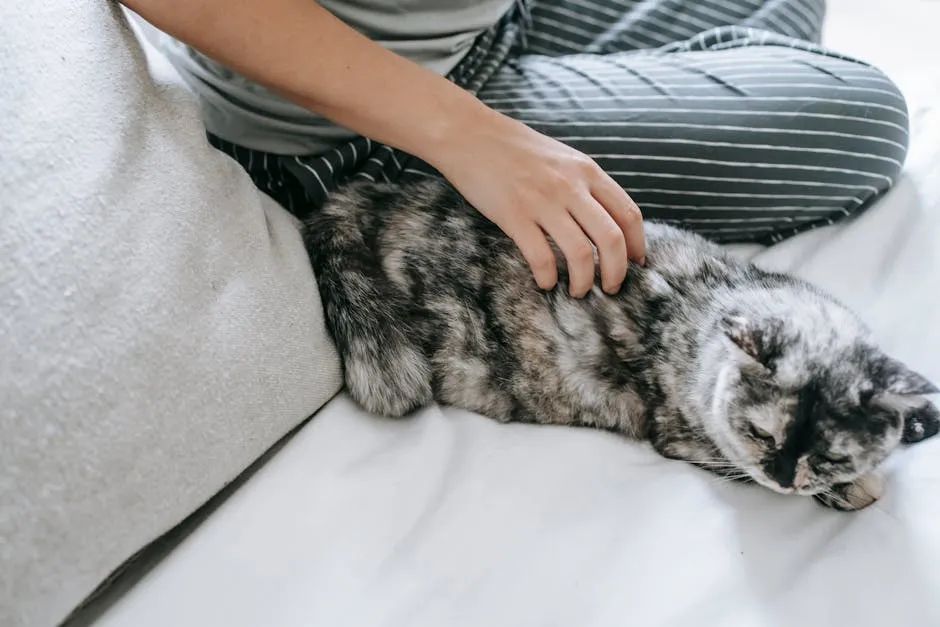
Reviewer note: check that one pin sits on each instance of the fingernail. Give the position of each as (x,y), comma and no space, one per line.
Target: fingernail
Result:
(643,261)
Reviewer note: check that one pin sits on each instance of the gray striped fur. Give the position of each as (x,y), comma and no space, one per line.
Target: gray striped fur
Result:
(750,374)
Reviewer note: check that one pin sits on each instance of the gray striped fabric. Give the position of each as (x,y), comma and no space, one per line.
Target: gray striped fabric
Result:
(724,116)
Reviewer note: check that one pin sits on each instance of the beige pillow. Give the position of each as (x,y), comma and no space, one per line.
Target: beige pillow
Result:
(160,326)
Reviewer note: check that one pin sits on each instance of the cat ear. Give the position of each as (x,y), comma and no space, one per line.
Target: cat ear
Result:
(757,341)
(893,377)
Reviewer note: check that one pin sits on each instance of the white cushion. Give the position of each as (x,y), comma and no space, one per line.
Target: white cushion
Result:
(160,326)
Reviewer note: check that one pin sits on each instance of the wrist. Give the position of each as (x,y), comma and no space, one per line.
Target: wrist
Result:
(446,126)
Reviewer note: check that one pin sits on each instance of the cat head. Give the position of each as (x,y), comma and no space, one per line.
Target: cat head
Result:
(805,400)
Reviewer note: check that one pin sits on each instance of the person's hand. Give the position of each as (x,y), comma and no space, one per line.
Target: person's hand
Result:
(531,186)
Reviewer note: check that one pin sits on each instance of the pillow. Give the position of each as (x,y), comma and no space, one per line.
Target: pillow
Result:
(160,326)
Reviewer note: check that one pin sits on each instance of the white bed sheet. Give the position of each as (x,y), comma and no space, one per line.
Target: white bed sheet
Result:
(449,519)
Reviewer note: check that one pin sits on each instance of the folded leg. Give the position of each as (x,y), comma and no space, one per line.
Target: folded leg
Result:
(739,134)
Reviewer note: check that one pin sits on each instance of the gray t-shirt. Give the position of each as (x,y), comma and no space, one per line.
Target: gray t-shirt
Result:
(434,33)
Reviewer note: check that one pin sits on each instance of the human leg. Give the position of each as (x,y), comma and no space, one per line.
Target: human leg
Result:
(561,27)
(739,134)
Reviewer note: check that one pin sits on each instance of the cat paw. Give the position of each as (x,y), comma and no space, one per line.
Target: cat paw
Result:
(921,423)
(850,497)
(673,449)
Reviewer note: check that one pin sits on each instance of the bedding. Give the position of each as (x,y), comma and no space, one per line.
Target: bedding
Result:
(448,518)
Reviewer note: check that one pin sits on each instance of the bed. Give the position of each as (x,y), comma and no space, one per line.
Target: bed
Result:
(448,518)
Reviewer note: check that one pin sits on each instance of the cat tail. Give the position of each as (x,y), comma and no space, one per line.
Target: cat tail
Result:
(385,372)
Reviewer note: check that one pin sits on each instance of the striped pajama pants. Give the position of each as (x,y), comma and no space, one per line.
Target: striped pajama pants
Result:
(725,117)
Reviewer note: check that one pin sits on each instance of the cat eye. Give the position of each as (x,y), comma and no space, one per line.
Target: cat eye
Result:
(760,433)
(834,459)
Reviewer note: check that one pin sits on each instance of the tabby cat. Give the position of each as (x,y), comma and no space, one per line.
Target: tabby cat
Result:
(746,373)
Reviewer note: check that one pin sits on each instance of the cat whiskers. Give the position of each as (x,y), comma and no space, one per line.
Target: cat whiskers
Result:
(714,463)
(722,471)
(718,465)
(732,480)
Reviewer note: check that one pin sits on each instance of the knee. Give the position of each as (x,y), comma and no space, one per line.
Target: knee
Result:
(872,111)
(854,127)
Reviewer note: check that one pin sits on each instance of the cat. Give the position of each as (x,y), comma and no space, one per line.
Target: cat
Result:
(749,374)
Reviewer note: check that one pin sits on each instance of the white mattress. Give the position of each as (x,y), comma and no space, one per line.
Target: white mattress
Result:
(449,519)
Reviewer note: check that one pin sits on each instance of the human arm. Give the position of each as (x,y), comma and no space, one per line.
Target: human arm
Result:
(526,183)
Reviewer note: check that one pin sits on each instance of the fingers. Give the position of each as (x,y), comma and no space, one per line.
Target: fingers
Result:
(609,239)
(578,251)
(607,220)
(538,254)
(580,207)
(625,213)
